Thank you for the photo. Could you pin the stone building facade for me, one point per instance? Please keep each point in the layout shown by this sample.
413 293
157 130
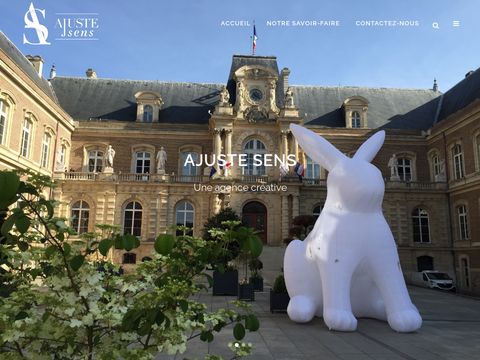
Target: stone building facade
35 131
432 198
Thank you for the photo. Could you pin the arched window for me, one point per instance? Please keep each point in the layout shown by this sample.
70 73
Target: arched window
188 169
129 258
142 162
147 113
95 161
477 150
436 166
4 115
79 215
404 169
462 216
26 137
317 210
421 226
45 156
252 148
457 155
184 216
355 120
132 219
313 169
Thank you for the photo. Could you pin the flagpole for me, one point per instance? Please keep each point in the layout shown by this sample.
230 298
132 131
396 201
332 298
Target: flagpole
253 39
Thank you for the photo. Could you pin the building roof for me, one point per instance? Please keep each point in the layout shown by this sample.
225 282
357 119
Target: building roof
461 95
85 99
388 108
18 58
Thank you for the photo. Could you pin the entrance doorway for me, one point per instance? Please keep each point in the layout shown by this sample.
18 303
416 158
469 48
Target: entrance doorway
254 215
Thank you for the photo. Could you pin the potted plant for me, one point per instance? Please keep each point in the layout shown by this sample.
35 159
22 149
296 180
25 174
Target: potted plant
279 298
256 278
250 249
226 249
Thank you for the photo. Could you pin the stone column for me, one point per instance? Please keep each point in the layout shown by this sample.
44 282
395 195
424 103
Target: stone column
284 135
285 216
228 148
294 148
217 145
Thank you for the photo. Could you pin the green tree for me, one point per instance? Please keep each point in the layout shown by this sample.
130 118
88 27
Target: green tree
65 305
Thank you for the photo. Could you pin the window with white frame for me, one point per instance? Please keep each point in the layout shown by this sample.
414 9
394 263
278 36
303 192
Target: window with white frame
184 216
63 154
436 166
45 155
142 162
404 169
4 113
313 169
79 215
95 161
421 226
251 148
189 169
132 219
355 120
457 154
26 137
147 113
462 215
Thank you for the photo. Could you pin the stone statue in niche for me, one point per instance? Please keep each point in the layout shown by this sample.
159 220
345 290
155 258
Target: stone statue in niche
240 92
393 165
224 97
272 87
289 103
109 156
348 265
161 161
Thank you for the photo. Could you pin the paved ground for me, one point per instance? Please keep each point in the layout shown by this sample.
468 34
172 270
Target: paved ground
451 330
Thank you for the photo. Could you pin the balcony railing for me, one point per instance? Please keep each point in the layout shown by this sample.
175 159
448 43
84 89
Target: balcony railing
257 179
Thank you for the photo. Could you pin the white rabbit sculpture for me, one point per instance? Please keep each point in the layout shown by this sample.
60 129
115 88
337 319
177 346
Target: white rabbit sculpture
348 265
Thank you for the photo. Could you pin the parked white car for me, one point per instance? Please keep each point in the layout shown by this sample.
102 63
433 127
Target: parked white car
433 279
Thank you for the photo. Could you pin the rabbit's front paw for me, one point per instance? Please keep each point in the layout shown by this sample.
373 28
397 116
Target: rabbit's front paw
301 309
341 320
405 321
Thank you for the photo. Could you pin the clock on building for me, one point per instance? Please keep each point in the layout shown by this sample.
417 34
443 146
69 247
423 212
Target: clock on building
256 95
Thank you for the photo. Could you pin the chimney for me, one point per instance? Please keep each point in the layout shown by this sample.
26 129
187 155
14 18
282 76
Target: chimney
435 85
91 74
285 73
37 63
53 72
469 73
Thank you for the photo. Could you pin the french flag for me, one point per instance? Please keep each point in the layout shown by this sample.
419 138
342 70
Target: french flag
299 170
254 39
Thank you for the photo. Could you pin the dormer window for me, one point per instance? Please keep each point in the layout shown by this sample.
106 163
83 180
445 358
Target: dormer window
355 120
355 108
147 113
149 104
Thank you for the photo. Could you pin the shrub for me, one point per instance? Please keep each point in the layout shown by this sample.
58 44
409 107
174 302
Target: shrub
279 286
65 306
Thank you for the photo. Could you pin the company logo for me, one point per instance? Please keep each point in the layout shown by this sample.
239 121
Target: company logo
32 22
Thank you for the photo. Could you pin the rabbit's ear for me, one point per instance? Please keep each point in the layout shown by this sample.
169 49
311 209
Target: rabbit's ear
315 146
370 148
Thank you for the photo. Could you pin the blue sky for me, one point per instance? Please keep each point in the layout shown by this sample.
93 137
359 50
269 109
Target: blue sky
183 40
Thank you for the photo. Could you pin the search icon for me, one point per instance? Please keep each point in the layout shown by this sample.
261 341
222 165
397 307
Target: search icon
435 25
